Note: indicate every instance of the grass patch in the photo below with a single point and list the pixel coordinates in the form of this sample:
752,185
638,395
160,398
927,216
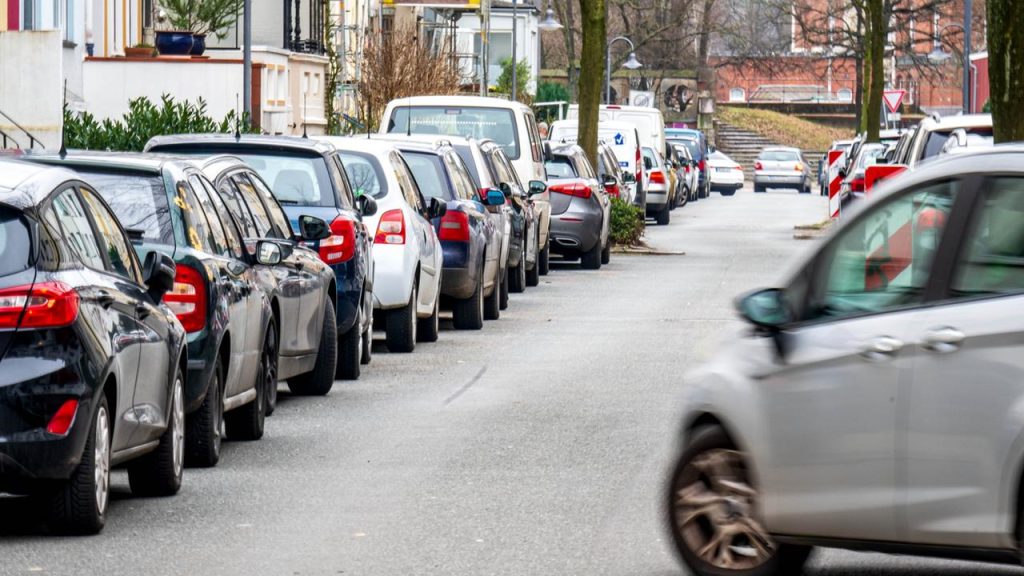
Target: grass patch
784,129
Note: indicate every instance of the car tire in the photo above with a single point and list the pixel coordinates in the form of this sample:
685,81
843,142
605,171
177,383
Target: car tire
204,428
430,327
727,191
159,472
334,358
758,188
532,276
806,189
503,304
606,252
591,259
517,277
366,355
349,354
247,421
689,476
468,314
79,505
663,217
400,326
492,303
544,260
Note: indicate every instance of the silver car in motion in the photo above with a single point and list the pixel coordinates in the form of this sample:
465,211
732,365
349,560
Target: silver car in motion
781,167
876,400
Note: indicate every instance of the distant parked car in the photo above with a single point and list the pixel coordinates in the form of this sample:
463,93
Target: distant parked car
726,174
657,185
691,171
697,142
781,167
80,391
840,145
932,134
624,140
580,208
853,182
307,177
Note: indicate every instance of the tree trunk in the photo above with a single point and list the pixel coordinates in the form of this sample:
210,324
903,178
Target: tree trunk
704,46
566,16
591,74
1006,68
877,31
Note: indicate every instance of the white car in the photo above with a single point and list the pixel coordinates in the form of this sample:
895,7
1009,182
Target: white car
726,175
407,254
656,185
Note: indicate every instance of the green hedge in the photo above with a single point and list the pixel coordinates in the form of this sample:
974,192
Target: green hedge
627,222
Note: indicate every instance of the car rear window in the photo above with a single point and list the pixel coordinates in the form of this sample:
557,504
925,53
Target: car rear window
138,199
477,122
296,180
15,242
365,174
428,170
937,139
560,167
779,156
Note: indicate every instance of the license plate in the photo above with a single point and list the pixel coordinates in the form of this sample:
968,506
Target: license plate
723,169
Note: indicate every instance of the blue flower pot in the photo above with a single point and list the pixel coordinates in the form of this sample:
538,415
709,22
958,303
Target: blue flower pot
198,44
173,43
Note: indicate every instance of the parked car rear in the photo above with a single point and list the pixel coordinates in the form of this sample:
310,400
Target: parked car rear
657,184
580,208
781,167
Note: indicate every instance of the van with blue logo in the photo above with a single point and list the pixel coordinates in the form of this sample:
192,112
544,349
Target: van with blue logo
624,140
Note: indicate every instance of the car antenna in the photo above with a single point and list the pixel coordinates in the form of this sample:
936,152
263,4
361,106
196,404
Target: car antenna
304,135
238,120
63,146
408,117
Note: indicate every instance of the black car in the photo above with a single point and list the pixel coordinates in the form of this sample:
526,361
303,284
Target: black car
170,207
92,366
301,287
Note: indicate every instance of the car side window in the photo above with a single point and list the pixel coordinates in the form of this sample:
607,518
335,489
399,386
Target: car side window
584,167
340,178
217,239
252,199
229,193
992,258
407,184
77,231
884,259
282,229
234,242
197,228
112,240
534,134
463,184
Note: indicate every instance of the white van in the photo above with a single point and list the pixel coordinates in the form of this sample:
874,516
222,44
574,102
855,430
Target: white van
649,122
624,140
510,124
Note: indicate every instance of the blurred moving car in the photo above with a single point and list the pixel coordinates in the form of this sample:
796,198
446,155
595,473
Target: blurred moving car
657,185
307,178
407,255
781,167
873,401
726,175
80,318
581,210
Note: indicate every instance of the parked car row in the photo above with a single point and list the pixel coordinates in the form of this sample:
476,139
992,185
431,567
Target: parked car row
151,303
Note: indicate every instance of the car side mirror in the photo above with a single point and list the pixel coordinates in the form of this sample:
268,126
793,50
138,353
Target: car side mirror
628,177
608,180
159,271
842,173
495,197
765,308
268,253
367,205
438,208
548,156
505,189
312,228
537,187
648,164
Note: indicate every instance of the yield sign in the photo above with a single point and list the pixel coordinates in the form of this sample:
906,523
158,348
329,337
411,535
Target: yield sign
893,99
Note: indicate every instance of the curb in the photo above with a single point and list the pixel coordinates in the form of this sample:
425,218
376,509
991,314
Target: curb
645,251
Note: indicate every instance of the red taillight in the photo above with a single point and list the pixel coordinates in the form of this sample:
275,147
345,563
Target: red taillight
43,305
483,194
340,246
391,228
63,419
657,177
612,190
578,189
687,168
187,299
758,166
639,165
857,185
454,227
701,165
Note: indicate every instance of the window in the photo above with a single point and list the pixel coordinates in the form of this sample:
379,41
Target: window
463,184
14,243
365,174
844,95
282,228
429,174
252,200
197,229
295,179
341,182
410,189
559,167
993,255
737,95
113,242
779,156
139,200
534,135
504,171
217,240
229,193
234,242
77,230
884,259
585,169
498,124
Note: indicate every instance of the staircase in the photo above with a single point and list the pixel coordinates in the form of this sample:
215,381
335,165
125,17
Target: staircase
28,141
743,146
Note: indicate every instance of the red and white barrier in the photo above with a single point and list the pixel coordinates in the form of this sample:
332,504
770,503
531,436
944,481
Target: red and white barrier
875,174
836,159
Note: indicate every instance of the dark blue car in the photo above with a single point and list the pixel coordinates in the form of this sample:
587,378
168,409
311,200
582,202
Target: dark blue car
307,178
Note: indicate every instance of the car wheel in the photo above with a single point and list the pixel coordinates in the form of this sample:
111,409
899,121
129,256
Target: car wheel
517,277
685,198
204,428
79,506
806,189
468,314
492,303
367,352
606,253
334,358
430,327
400,326
532,276
159,472
591,259
246,421
727,191
758,188
504,288
544,260
663,217
711,509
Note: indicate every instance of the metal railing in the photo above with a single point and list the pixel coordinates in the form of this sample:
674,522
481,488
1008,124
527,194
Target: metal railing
32,140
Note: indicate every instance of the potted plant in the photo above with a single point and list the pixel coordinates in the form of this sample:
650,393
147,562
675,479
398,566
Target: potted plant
177,40
140,50
203,18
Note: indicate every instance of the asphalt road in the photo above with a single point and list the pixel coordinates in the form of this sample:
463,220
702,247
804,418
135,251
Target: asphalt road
538,446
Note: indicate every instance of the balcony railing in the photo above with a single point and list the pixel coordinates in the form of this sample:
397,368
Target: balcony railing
304,26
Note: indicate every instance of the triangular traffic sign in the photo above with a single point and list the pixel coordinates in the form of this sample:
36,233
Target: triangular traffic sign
893,99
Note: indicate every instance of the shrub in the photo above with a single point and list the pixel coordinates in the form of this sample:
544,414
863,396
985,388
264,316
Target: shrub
627,222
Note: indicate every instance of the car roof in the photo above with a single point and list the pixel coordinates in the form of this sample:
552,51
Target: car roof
464,101
372,145
780,149
958,121
564,148
133,161
251,141
24,185
430,139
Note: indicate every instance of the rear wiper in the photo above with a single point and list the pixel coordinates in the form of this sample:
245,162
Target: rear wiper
288,202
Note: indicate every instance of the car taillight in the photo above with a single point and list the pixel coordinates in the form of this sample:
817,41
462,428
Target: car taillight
701,165
857,185
612,190
799,167
391,228
63,419
657,177
758,166
340,246
578,189
187,298
43,305
687,168
454,227
639,164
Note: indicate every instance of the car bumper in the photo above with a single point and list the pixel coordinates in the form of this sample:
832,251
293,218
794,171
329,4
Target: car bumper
656,199
459,278
796,180
394,268
202,356
578,229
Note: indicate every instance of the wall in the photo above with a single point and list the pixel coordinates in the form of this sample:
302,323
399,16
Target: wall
501,22
307,92
31,72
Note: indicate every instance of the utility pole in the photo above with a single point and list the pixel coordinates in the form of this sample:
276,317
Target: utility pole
515,61
968,11
247,59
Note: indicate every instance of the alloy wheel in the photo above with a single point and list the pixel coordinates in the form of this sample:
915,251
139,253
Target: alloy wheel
178,434
101,456
269,364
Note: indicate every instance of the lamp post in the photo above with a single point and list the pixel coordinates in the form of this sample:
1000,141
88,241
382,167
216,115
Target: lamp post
632,64
515,62
938,55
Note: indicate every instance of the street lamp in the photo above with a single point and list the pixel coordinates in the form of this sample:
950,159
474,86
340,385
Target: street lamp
938,55
631,63
549,22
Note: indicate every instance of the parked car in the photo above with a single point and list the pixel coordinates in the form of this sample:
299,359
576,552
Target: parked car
697,142
726,175
852,186
933,132
608,172
471,241
218,295
679,172
407,253
79,316
659,196
300,287
581,223
649,122
781,167
509,124
691,171
840,145
624,140
873,401
307,178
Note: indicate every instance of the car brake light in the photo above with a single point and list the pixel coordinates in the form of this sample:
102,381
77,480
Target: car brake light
657,177
613,107
577,189
758,166
340,246
454,227
187,298
701,165
63,419
391,228
612,190
43,305
639,164
687,168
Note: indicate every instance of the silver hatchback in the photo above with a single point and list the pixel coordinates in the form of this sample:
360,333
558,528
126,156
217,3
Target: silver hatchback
876,400
781,167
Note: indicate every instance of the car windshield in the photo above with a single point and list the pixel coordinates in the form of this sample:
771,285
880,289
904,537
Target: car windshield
138,199
296,180
497,124
779,156
976,136
868,155
428,170
14,242
365,174
560,167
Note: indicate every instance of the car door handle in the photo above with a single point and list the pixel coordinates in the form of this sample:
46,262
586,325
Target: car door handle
943,340
881,348
104,298
142,311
